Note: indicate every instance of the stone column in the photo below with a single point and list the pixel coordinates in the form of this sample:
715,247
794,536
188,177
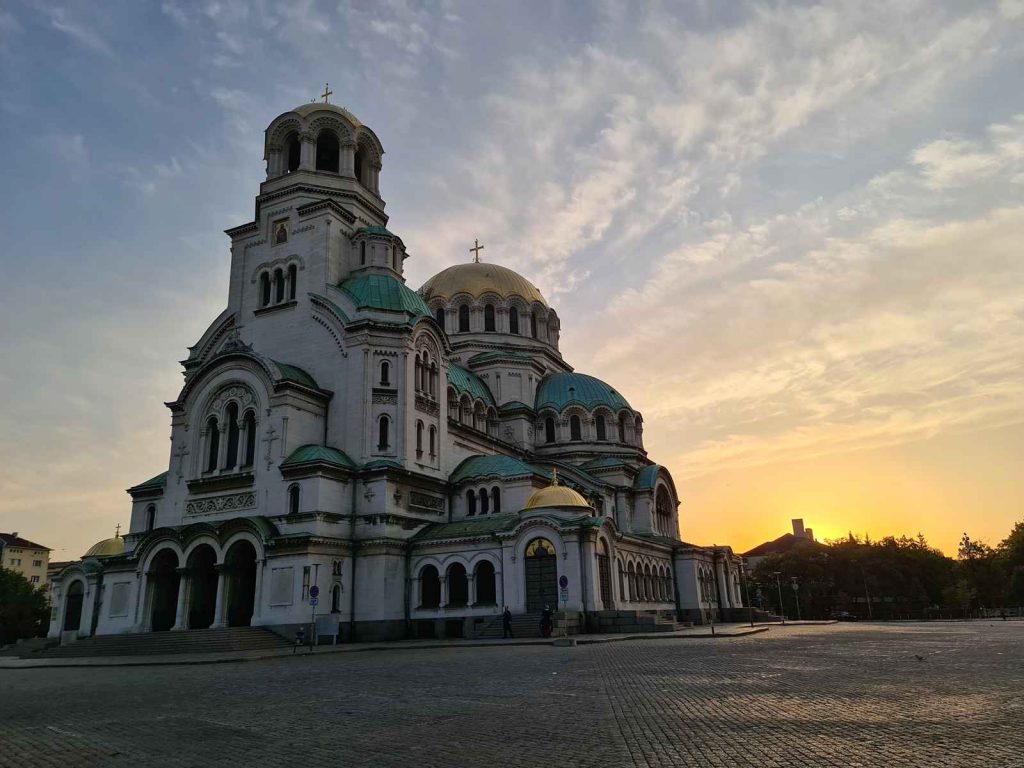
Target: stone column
348,160
218,607
307,153
180,619
222,447
140,603
471,588
444,592
257,599
723,589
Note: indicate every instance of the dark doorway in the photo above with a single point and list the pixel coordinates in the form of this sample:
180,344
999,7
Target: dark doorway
73,606
485,591
604,573
164,575
240,563
541,576
202,587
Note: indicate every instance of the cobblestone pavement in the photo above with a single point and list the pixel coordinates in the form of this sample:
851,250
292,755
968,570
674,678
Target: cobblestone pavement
840,695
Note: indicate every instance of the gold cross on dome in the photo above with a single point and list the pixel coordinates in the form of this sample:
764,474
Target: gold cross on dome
476,250
117,531
327,92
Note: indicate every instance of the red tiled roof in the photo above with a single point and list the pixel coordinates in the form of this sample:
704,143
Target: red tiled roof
784,543
10,540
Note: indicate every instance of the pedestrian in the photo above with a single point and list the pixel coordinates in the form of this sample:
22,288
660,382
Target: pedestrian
545,622
506,623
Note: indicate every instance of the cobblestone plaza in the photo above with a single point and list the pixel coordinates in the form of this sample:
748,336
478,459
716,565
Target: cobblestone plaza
796,696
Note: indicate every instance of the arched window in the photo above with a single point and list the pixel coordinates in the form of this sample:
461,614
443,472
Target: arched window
439,316
549,430
362,254
150,517
464,318
485,503
278,286
382,433
489,318
293,500
264,289
486,594
336,599
602,429
513,320
396,259
358,165
533,325
232,417
293,276
622,428
385,373
496,499
327,151
575,431
292,152
419,438
470,502
433,379
458,585
213,443
249,423
432,433
430,588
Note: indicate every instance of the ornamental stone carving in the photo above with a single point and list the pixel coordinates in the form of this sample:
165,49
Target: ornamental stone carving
243,395
228,503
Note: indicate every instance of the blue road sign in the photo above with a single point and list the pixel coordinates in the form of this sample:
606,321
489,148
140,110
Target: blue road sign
313,601
314,591
563,581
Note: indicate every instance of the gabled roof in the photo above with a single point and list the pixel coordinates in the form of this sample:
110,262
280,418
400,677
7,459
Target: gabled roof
320,454
384,293
10,540
154,483
466,381
470,528
505,467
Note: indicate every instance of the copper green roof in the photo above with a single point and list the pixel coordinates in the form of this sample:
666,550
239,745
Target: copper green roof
646,478
467,381
160,481
295,374
382,464
490,466
375,231
470,528
514,405
485,357
319,453
384,293
560,390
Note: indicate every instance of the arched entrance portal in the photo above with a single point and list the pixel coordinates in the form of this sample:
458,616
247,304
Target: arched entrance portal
604,573
240,563
73,606
202,587
163,575
541,576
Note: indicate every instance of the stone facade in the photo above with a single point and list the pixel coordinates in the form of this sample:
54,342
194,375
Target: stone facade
339,431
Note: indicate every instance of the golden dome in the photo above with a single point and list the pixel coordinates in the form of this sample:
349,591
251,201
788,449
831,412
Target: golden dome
107,547
478,278
556,495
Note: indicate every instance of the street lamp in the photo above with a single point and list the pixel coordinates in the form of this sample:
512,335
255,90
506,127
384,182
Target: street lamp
795,582
746,593
778,586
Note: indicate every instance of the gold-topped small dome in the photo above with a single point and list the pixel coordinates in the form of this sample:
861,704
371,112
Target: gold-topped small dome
477,279
107,547
556,495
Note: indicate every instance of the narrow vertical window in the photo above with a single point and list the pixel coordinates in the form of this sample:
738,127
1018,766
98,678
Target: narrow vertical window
278,286
362,254
150,517
513,321
485,503
382,433
385,374
419,438
439,316
464,318
549,430
232,417
489,318
533,325
293,500
213,442
264,289
496,499
470,502
293,276
433,442
602,431
249,422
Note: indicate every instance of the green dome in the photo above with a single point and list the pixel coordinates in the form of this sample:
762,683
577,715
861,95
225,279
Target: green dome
560,390
386,293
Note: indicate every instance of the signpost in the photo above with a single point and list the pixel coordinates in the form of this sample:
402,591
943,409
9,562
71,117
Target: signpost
563,594
314,599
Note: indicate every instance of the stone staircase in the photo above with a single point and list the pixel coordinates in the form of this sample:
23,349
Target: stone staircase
528,625
166,643
635,622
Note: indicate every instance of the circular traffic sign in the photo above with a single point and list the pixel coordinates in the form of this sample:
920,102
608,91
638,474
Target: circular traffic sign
314,591
563,581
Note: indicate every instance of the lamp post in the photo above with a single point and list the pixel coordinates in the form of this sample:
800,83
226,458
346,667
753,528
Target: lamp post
746,594
795,582
778,586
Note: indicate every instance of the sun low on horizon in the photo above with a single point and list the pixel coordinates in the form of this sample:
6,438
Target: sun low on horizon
789,236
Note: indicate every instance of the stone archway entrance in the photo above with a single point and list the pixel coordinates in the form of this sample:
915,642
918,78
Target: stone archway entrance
541,568
164,577
604,574
240,563
73,606
202,587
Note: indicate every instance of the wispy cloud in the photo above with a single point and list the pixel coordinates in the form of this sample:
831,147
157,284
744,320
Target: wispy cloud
80,32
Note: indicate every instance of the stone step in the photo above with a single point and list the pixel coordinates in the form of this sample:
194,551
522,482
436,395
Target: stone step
169,643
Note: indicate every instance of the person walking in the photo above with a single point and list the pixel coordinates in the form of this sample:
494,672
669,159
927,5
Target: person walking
506,623
545,622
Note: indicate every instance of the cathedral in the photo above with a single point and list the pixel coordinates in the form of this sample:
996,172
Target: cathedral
384,462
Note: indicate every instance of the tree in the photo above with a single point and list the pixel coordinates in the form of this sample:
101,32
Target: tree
24,610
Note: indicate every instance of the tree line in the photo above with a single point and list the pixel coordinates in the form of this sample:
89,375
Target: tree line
893,578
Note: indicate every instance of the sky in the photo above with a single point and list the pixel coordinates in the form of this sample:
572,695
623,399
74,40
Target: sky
790,234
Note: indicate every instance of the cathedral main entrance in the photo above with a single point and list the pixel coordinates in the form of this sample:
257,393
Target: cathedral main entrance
164,577
604,574
73,606
240,562
202,587
541,576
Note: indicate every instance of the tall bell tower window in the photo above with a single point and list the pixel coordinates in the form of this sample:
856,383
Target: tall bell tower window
464,318
513,321
327,151
292,152
489,318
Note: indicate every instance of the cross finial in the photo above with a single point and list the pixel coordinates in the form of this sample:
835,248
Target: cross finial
554,475
327,92
117,531
476,250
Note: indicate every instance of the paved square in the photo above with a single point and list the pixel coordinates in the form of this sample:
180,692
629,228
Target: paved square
800,696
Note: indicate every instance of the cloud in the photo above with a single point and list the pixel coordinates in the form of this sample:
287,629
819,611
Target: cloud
82,34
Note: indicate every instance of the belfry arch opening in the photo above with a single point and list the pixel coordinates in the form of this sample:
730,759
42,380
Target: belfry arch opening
292,152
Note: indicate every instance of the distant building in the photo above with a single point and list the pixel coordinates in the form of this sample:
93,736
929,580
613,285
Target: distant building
26,557
781,545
